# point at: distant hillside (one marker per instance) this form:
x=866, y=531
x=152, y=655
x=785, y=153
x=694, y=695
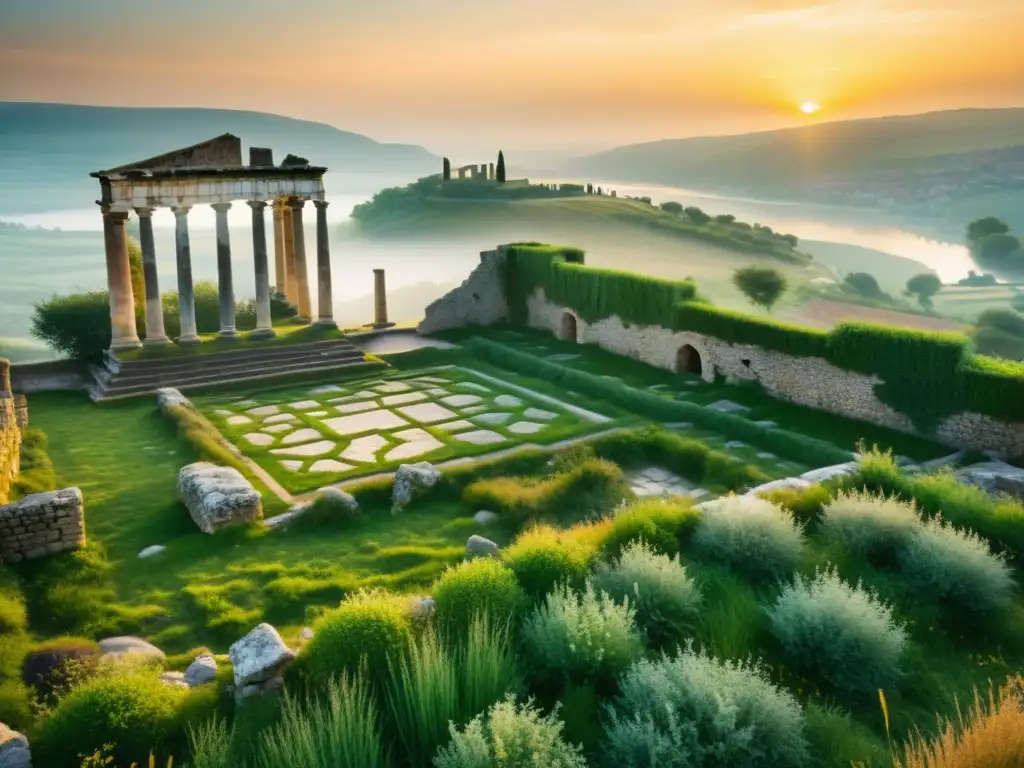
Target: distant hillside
x=928, y=161
x=48, y=150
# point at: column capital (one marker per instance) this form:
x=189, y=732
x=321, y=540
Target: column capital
x=118, y=217
x=143, y=213
x=221, y=207
x=295, y=203
x=257, y=205
x=181, y=210
x=321, y=204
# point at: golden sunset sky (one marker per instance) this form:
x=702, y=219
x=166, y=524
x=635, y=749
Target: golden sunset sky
x=528, y=74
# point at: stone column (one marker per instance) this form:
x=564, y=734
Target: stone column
x=5, y=377
x=155, y=334
x=288, y=236
x=280, y=275
x=123, y=334
x=299, y=244
x=186, y=297
x=264, y=325
x=225, y=285
x=380, y=300
x=325, y=296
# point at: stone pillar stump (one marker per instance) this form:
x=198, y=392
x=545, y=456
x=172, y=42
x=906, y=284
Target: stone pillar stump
x=380, y=301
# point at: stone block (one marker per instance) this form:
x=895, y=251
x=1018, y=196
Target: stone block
x=259, y=656
x=126, y=644
x=202, y=670
x=217, y=496
x=410, y=480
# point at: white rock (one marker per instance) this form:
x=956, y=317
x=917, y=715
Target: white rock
x=217, y=496
x=411, y=479
x=202, y=670
x=259, y=656
x=126, y=644
x=168, y=397
x=176, y=679
x=994, y=477
x=827, y=473
x=339, y=497
x=153, y=549
x=485, y=517
x=478, y=546
x=785, y=484
x=14, y=749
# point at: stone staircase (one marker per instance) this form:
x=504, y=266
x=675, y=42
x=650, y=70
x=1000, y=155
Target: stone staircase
x=118, y=378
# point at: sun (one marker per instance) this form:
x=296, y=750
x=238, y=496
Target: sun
x=809, y=107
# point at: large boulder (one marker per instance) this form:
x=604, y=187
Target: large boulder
x=202, y=670
x=217, y=496
x=14, y=751
x=995, y=477
x=113, y=647
x=478, y=546
x=169, y=396
x=410, y=480
x=259, y=656
x=338, y=498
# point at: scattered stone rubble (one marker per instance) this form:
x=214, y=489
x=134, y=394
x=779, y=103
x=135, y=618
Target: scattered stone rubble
x=217, y=496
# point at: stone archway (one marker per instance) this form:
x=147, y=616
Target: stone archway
x=688, y=360
x=567, y=329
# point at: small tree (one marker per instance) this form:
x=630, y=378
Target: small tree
x=500, y=171
x=671, y=207
x=725, y=218
x=696, y=215
x=982, y=228
x=864, y=284
x=446, y=171
x=924, y=286
x=999, y=248
x=761, y=285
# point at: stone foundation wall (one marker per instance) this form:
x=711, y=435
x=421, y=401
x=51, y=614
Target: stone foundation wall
x=42, y=524
x=812, y=382
x=480, y=300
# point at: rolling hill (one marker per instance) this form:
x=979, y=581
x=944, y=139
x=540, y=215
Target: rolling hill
x=48, y=150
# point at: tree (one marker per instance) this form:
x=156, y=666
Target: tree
x=762, y=286
x=446, y=170
x=725, y=218
x=999, y=332
x=671, y=207
x=500, y=172
x=864, y=284
x=77, y=325
x=999, y=248
x=924, y=286
x=981, y=228
x=696, y=215
x=793, y=240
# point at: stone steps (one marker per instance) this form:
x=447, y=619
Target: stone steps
x=129, y=378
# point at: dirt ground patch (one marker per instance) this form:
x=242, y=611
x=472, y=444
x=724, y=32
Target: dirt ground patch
x=825, y=314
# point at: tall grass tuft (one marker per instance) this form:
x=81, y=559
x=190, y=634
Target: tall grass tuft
x=488, y=665
x=873, y=527
x=210, y=744
x=339, y=730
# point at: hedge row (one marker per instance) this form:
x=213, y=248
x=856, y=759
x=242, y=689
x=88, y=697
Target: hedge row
x=739, y=328
x=790, y=445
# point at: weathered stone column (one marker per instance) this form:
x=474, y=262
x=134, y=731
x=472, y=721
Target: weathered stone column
x=280, y=274
x=123, y=334
x=155, y=334
x=5, y=377
x=288, y=236
x=225, y=285
x=299, y=243
x=264, y=325
x=380, y=300
x=186, y=296
x=325, y=296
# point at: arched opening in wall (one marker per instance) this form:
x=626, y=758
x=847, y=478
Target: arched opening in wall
x=567, y=332
x=688, y=361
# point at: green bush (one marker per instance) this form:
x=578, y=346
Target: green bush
x=806, y=504
x=77, y=326
x=37, y=473
x=481, y=586
x=135, y=712
x=510, y=736
x=663, y=524
x=207, y=304
x=541, y=558
x=695, y=711
x=956, y=569
x=666, y=599
x=374, y=625
x=872, y=527
x=580, y=637
x=741, y=328
x=750, y=535
x=842, y=634
x=15, y=699
x=52, y=667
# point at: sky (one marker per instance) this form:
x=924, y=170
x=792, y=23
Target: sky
x=560, y=75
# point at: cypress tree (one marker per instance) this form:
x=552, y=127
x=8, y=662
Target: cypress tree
x=447, y=170
x=500, y=170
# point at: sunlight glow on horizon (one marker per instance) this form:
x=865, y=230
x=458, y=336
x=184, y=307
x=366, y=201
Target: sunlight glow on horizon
x=810, y=107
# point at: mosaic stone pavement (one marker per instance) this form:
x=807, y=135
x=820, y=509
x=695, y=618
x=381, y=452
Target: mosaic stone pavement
x=336, y=430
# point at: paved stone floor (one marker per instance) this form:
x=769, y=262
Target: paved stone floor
x=655, y=481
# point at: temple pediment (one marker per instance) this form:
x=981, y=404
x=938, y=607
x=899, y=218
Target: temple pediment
x=223, y=151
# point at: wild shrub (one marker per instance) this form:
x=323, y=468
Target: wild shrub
x=956, y=569
x=541, y=558
x=667, y=601
x=843, y=635
x=36, y=473
x=14, y=642
x=480, y=586
x=694, y=711
x=806, y=505
x=510, y=735
x=210, y=744
x=77, y=325
x=135, y=712
x=53, y=666
x=374, y=625
x=489, y=667
x=751, y=535
x=582, y=637
x=341, y=729
x=870, y=526
x=663, y=524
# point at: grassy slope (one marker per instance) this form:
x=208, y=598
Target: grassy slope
x=785, y=156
